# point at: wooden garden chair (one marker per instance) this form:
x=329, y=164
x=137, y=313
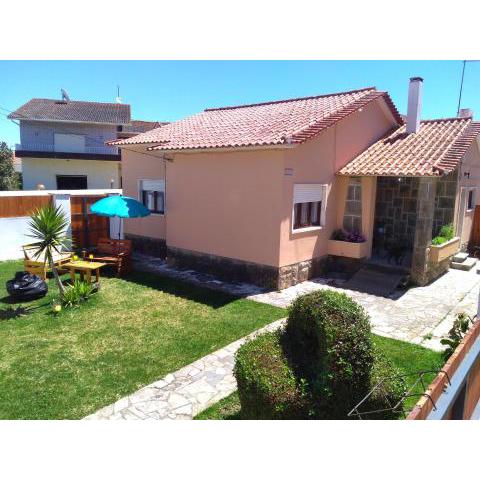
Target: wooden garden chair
x=38, y=265
x=112, y=252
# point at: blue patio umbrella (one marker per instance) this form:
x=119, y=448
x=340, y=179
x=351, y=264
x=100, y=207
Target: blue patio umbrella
x=119, y=206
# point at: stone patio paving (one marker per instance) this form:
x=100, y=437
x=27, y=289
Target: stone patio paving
x=421, y=315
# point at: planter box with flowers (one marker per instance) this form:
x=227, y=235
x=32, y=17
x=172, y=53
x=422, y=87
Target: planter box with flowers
x=344, y=244
x=444, y=245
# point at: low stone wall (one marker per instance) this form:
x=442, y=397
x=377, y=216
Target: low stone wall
x=299, y=272
x=233, y=270
x=156, y=247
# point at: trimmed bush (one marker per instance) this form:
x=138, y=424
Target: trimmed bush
x=267, y=386
x=330, y=342
x=320, y=366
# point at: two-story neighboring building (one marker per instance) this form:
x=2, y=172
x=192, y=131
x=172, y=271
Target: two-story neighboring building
x=62, y=142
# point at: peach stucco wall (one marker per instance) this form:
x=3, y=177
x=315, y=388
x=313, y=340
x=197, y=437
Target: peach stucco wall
x=317, y=161
x=238, y=204
x=470, y=164
x=137, y=166
x=226, y=204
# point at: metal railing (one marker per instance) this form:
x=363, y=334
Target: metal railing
x=43, y=147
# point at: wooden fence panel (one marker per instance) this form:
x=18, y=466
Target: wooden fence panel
x=22, y=206
x=86, y=227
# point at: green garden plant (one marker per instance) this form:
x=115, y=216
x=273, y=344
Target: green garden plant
x=459, y=329
x=77, y=293
x=445, y=235
x=48, y=226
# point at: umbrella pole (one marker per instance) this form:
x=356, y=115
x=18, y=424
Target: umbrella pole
x=120, y=219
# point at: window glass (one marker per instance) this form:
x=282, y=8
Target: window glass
x=153, y=195
x=352, y=219
x=470, y=202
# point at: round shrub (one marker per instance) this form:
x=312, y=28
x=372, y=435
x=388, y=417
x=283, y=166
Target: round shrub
x=329, y=341
x=267, y=386
x=320, y=366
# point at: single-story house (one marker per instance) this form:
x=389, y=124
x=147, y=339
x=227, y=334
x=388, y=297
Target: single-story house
x=255, y=192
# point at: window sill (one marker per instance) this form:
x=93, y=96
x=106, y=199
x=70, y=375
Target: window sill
x=307, y=229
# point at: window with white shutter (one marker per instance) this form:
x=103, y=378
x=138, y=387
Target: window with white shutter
x=152, y=195
x=309, y=201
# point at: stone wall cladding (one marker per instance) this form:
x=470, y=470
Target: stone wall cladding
x=422, y=270
x=396, y=207
x=266, y=276
x=300, y=272
x=156, y=247
x=445, y=201
x=224, y=268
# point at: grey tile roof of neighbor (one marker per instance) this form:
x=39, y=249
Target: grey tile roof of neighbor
x=73, y=111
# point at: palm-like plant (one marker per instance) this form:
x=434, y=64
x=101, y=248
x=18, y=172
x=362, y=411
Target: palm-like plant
x=48, y=225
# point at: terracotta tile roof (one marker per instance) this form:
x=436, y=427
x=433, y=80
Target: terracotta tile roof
x=142, y=126
x=73, y=111
x=282, y=122
x=436, y=149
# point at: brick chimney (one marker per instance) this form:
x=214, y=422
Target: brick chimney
x=414, y=104
x=465, y=113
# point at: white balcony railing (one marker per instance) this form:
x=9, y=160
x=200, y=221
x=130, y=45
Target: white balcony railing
x=42, y=147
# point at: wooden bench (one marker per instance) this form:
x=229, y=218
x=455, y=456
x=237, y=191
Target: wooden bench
x=38, y=265
x=112, y=252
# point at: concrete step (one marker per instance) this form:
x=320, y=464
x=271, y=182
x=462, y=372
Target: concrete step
x=460, y=257
x=466, y=265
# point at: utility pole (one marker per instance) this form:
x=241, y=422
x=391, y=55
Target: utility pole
x=461, y=88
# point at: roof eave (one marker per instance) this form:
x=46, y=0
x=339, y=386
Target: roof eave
x=51, y=120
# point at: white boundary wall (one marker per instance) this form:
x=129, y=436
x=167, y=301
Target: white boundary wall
x=14, y=230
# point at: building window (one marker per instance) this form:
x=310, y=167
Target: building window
x=307, y=214
x=152, y=195
x=471, y=200
x=352, y=218
x=308, y=205
x=71, y=182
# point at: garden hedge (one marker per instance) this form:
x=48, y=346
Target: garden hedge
x=320, y=366
x=267, y=386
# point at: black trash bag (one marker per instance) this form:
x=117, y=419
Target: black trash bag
x=26, y=286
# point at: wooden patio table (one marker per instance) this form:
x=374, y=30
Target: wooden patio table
x=85, y=268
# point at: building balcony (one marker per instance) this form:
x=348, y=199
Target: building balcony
x=41, y=150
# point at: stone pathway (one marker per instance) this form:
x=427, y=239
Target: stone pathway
x=184, y=393
x=157, y=265
x=421, y=315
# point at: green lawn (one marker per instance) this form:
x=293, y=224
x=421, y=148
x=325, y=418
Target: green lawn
x=407, y=357
x=131, y=333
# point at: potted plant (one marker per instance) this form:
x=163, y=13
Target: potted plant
x=348, y=244
x=444, y=245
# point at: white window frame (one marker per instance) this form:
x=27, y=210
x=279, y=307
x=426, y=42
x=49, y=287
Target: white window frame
x=140, y=196
x=309, y=192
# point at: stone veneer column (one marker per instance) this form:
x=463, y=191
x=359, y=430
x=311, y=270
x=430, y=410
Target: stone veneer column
x=427, y=187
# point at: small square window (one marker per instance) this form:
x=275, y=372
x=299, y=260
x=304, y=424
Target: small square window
x=307, y=214
x=470, y=200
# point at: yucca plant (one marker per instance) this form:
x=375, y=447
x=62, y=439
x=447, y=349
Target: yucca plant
x=48, y=225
